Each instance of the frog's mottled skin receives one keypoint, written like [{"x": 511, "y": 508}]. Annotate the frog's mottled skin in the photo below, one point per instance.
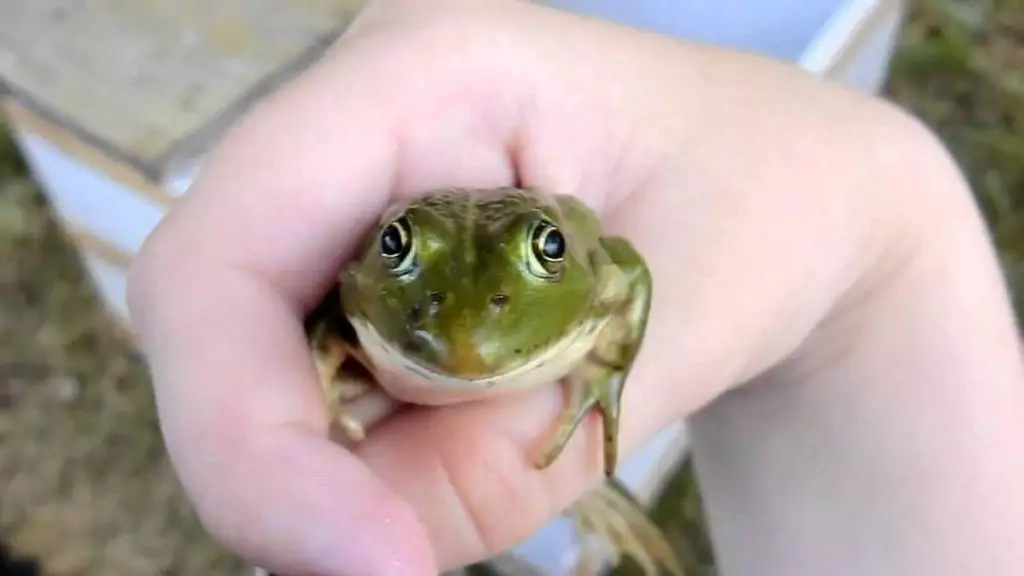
[{"x": 463, "y": 294}]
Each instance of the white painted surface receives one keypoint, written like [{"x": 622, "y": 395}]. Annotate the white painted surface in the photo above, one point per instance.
[
  {"x": 779, "y": 28},
  {"x": 111, "y": 282},
  {"x": 179, "y": 183},
  {"x": 835, "y": 34},
  {"x": 810, "y": 33},
  {"x": 89, "y": 199},
  {"x": 870, "y": 65}
]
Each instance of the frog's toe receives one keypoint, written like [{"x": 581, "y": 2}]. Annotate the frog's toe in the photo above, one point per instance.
[
  {"x": 351, "y": 426},
  {"x": 578, "y": 404},
  {"x": 548, "y": 457},
  {"x": 343, "y": 390},
  {"x": 341, "y": 395},
  {"x": 354, "y": 417},
  {"x": 612, "y": 525},
  {"x": 348, "y": 389}
]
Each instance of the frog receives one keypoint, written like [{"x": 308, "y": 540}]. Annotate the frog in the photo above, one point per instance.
[{"x": 462, "y": 294}]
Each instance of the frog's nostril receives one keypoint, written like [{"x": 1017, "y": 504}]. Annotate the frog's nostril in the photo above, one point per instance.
[
  {"x": 499, "y": 300},
  {"x": 436, "y": 300},
  {"x": 416, "y": 313},
  {"x": 412, "y": 346}
]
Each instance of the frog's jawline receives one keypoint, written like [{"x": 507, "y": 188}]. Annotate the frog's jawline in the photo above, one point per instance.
[{"x": 408, "y": 381}]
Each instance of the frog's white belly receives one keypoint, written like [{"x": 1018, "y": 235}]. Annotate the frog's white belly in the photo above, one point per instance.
[{"x": 408, "y": 381}]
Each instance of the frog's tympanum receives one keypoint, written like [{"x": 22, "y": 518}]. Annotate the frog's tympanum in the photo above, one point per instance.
[{"x": 465, "y": 294}]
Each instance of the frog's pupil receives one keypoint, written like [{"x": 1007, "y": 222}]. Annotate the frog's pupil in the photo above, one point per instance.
[
  {"x": 391, "y": 241},
  {"x": 553, "y": 245}
]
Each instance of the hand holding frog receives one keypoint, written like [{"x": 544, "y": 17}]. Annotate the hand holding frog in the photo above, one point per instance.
[{"x": 803, "y": 309}]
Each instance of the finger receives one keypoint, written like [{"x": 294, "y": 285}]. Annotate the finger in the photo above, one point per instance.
[
  {"x": 468, "y": 469},
  {"x": 216, "y": 296},
  {"x": 294, "y": 182}
]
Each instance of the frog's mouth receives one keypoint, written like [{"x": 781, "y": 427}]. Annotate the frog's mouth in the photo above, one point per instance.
[{"x": 410, "y": 378}]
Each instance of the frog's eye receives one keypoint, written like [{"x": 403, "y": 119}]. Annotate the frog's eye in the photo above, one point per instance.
[
  {"x": 396, "y": 245},
  {"x": 547, "y": 247}
]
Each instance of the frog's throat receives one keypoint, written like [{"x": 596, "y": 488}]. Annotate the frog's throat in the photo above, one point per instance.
[{"x": 408, "y": 380}]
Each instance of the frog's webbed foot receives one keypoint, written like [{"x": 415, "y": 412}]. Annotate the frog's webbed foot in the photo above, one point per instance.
[
  {"x": 610, "y": 524},
  {"x": 593, "y": 384}
]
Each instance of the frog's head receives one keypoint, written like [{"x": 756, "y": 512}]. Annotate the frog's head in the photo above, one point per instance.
[{"x": 473, "y": 286}]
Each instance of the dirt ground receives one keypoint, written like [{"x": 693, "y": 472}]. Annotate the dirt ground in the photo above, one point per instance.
[{"x": 85, "y": 488}]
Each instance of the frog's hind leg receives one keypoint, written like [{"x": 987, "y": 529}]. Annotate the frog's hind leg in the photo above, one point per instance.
[{"x": 610, "y": 524}]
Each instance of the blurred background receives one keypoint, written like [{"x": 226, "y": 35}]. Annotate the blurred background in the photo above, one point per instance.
[{"x": 85, "y": 488}]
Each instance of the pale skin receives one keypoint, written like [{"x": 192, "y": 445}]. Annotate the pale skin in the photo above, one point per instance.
[{"x": 828, "y": 309}]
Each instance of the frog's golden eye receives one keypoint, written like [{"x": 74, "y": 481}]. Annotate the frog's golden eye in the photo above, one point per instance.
[
  {"x": 396, "y": 243},
  {"x": 548, "y": 242},
  {"x": 547, "y": 247}
]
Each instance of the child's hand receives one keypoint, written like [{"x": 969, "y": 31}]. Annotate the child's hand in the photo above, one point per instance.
[{"x": 782, "y": 218}]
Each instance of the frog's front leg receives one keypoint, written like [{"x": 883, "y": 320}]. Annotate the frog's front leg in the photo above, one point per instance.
[
  {"x": 589, "y": 386},
  {"x": 600, "y": 378},
  {"x": 354, "y": 401}
]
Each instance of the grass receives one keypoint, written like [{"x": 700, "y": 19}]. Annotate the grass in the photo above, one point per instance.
[
  {"x": 961, "y": 68},
  {"x": 84, "y": 484}
]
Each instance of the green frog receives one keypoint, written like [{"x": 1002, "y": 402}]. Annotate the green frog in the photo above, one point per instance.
[{"x": 466, "y": 294}]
